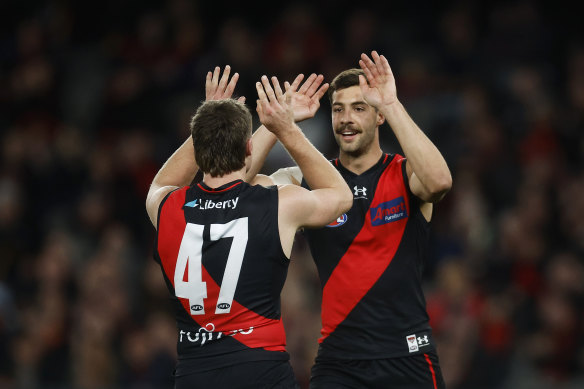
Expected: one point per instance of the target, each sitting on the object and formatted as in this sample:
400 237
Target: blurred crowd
94 96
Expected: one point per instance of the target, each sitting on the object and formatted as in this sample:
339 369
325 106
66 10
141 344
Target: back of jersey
221 256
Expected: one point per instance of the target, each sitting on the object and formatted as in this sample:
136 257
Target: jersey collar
385 157
222 188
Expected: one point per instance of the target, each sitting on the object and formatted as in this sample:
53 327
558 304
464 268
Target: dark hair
220 130
345 79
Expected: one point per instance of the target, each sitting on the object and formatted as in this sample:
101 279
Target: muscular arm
305 101
180 169
428 173
427 170
299 207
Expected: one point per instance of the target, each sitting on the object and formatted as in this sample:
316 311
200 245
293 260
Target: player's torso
223 263
370 263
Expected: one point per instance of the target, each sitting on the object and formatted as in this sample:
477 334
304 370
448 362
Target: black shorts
412 372
275 374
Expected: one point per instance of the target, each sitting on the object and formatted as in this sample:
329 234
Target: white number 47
190 253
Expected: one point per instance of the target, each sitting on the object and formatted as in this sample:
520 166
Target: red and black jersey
223 263
370 263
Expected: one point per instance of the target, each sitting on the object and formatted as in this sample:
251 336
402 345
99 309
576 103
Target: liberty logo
210 204
360 193
388 212
192 204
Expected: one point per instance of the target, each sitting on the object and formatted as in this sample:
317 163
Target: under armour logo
423 340
360 191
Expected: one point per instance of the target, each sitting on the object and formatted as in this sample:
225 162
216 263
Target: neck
359 163
216 182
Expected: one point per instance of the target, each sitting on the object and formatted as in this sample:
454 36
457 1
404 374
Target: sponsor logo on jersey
339 222
210 204
360 192
415 342
388 212
207 334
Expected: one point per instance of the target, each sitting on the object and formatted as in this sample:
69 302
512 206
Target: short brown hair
220 130
345 79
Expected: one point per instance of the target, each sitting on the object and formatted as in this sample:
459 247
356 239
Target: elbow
346 200
440 188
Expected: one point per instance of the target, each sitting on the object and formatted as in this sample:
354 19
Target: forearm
316 170
262 141
424 157
180 169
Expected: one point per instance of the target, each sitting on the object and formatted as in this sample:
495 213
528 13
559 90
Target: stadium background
94 96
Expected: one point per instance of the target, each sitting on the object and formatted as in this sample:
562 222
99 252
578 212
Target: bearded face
354 121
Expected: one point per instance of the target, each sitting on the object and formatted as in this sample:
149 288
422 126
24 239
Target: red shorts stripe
431 370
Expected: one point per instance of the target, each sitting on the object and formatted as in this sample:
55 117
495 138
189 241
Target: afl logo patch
339 222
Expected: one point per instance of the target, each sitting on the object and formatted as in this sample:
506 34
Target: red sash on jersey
369 255
251 329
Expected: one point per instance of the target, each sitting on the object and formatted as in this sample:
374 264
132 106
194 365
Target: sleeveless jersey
223 263
370 262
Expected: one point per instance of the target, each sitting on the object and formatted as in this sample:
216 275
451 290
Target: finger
296 82
259 110
307 84
277 88
268 88
321 91
216 72
241 99
261 93
224 78
315 84
363 83
286 85
366 70
377 61
385 65
231 86
367 64
208 85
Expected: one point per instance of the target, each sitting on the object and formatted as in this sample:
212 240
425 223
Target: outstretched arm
305 102
330 196
180 169
428 173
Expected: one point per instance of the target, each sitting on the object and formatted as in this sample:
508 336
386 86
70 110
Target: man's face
354 121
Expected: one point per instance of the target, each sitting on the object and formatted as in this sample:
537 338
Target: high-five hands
306 100
274 106
221 88
379 88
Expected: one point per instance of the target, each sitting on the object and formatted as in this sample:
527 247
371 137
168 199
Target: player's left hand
379 88
221 88
306 100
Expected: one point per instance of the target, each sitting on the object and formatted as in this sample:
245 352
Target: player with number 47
224 245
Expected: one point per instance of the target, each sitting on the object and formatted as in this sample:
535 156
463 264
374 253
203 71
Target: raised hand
273 106
381 87
306 100
221 88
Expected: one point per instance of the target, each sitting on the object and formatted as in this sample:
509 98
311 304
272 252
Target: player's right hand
221 88
274 107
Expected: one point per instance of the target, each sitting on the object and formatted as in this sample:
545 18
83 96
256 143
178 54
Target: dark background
95 96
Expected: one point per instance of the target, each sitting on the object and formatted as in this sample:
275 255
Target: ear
248 147
380 118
